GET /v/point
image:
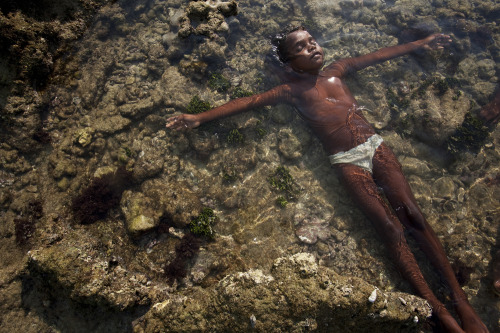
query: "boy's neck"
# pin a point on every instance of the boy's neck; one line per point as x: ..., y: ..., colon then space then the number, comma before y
x: 307, y: 74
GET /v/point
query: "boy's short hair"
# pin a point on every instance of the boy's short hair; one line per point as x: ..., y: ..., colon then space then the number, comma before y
x: 278, y: 43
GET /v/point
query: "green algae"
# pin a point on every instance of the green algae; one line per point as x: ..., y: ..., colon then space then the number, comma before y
x: 396, y: 101
x: 239, y: 92
x: 470, y: 136
x: 281, y: 201
x: 282, y: 181
x: 229, y: 174
x: 438, y: 85
x: 218, y: 82
x: 261, y: 132
x: 235, y: 137
x: 197, y: 105
x: 202, y: 225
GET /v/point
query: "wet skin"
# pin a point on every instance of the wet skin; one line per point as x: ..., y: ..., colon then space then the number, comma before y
x: 496, y: 273
x: 328, y: 107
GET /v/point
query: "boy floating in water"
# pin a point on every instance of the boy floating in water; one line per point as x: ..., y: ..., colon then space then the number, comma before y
x: 359, y: 155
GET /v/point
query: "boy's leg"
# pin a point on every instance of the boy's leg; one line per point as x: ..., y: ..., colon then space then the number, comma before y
x: 387, y: 173
x: 362, y: 188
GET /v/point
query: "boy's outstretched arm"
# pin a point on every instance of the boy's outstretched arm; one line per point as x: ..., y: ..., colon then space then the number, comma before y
x: 279, y: 94
x: 349, y: 65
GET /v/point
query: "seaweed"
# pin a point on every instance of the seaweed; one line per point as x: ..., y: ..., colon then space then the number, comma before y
x: 218, y: 82
x: 165, y: 224
x: 235, y: 137
x: 185, y: 250
x: 25, y: 226
x: 102, y: 194
x: 282, y: 180
x: 440, y: 86
x: 395, y: 101
x: 404, y: 125
x: 229, y: 174
x: 423, y: 87
x: 471, y: 135
x: 42, y: 136
x: 239, y: 92
x: 443, y: 85
x: 457, y: 95
x: 201, y: 228
x: 281, y: 201
x: 124, y: 154
x: 203, y: 223
x: 261, y: 132
x: 128, y: 151
x: 197, y: 105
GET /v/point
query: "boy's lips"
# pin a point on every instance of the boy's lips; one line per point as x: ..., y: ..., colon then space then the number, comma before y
x: 315, y: 54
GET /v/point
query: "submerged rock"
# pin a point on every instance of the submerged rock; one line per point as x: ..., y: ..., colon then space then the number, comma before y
x: 283, y: 301
x: 84, y: 136
x: 312, y: 229
x: 292, y: 144
x: 141, y: 213
x: 74, y: 269
x: 206, y: 17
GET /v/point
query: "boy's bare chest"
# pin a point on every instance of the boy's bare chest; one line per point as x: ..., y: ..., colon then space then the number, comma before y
x: 325, y: 101
x: 325, y: 90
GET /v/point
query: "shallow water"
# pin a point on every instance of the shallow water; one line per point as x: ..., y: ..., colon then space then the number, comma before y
x: 131, y: 71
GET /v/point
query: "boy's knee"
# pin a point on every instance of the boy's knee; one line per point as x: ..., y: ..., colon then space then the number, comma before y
x: 392, y: 231
x: 415, y: 218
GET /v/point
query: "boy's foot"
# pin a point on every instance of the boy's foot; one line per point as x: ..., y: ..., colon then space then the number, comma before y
x: 447, y: 322
x: 496, y: 273
x: 471, y: 323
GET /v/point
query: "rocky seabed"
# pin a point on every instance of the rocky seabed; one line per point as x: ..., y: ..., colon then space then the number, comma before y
x: 303, y: 259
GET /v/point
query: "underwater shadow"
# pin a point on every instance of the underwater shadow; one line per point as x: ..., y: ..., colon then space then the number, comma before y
x: 52, y: 303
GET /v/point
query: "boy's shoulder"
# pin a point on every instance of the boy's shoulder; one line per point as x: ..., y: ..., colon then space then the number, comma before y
x: 335, y: 68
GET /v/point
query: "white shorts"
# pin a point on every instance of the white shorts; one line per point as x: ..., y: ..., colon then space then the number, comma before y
x: 361, y: 155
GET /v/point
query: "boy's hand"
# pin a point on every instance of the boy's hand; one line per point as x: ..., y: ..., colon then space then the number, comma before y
x: 435, y: 42
x: 183, y: 121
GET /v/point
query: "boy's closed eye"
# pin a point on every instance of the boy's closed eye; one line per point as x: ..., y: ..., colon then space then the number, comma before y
x: 299, y: 47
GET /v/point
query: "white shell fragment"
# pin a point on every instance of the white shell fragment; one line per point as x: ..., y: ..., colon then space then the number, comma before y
x: 253, y: 321
x: 373, y: 296
x: 415, y: 319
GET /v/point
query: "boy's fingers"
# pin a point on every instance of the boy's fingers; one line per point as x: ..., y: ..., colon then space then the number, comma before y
x: 176, y: 123
x: 172, y: 121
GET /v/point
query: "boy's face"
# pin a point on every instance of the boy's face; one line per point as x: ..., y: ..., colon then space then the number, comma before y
x: 304, y: 53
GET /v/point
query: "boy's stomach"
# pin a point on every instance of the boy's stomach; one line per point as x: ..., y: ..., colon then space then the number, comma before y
x: 339, y: 128
x: 345, y: 138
